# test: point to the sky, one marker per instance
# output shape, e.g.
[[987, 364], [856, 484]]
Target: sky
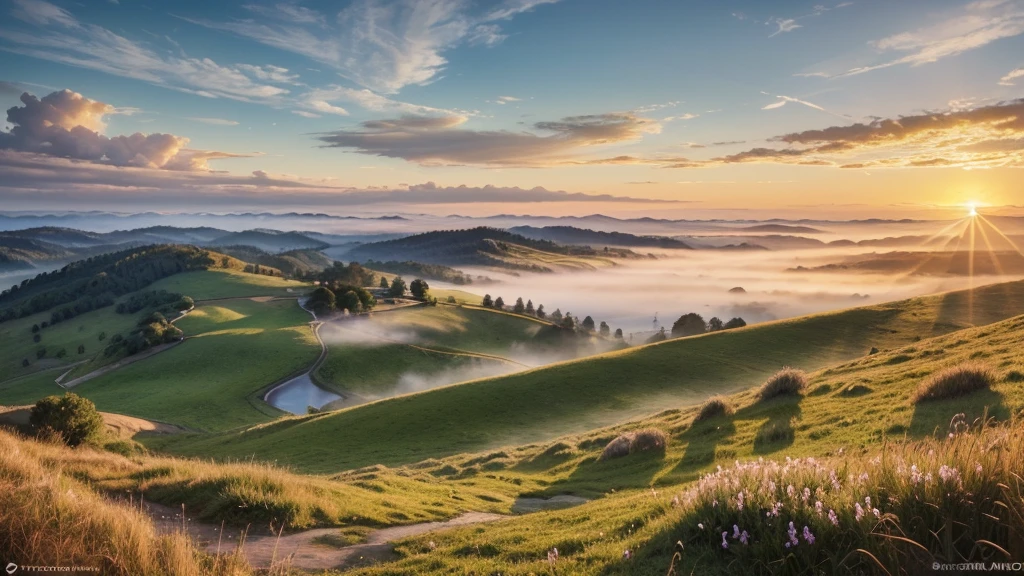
[[681, 109]]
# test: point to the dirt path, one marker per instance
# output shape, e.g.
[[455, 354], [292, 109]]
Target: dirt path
[[298, 550], [120, 363]]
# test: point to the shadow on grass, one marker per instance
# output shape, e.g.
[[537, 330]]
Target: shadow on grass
[[777, 432], [933, 417], [593, 477], [702, 440]]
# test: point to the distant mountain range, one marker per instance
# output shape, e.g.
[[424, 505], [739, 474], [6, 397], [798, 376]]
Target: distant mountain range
[[573, 235]]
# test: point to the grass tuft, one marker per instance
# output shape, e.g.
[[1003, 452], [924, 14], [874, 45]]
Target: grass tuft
[[784, 382], [959, 380], [713, 407], [648, 439]]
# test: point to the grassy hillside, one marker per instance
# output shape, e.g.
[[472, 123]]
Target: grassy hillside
[[292, 263], [487, 247], [213, 284], [574, 396], [233, 349]]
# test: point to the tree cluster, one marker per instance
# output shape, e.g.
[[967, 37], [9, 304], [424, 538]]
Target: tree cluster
[[152, 330], [352, 299], [692, 324]]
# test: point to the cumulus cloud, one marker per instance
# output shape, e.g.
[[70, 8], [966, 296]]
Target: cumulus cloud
[[383, 46], [440, 140], [68, 125]]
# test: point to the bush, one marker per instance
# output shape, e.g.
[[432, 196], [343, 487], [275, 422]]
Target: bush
[[633, 442], [955, 381], [785, 381], [73, 418], [712, 407]]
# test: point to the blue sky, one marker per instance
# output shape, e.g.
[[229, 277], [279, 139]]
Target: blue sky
[[295, 101]]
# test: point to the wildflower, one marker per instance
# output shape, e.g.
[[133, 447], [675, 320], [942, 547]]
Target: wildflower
[[863, 477], [833, 518], [789, 490], [867, 501], [859, 511], [627, 554], [675, 501], [977, 467], [818, 507], [744, 538], [948, 474], [725, 545], [915, 474], [735, 532], [552, 555], [739, 501], [792, 536], [806, 496], [876, 512], [808, 536], [700, 525]]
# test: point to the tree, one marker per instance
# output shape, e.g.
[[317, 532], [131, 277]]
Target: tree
[[568, 322], [35, 328], [499, 303], [588, 324], [529, 308], [102, 336], [452, 300], [322, 301], [735, 323], [618, 333], [540, 311], [397, 289], [61, 353], [659, 336], [81, 348], [350, 301], [186, 303], [24, 362], [557, 315], [605, 328], [383, 282], [715, 324], [71, 417], [689, 325], [519, 308], [419, 288], [487, 303]]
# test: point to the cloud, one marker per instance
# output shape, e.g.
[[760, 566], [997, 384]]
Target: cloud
[[383, 46], [686, 116], [784, 25], [323, 100], [36, 176], [214, 121], [978, 24], [440, 141], [68, 125], [58, 36], [1012, 75], [783, 99], [507, 99]]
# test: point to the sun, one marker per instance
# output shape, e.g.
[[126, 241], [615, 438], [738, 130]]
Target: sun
[[972, 209]]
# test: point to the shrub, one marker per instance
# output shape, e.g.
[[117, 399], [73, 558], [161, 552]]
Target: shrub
[[633, 442], [955, 381], [785, 381], [73, 418], [712, 407], [1015, 376]]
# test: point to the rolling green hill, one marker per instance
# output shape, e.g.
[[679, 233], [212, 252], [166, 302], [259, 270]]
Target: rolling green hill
[[487, 247], [571, 397]]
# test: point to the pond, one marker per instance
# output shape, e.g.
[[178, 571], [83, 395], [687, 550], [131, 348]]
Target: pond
[[298, 394]]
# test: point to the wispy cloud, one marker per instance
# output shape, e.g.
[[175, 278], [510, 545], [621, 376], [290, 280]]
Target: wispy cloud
[[784, 25], [1011, 76], [383, 46], [214, 121], [976, 25]]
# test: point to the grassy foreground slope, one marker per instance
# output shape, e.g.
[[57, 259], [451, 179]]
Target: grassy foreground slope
[[211, 381], [213, 284], [581, 395]]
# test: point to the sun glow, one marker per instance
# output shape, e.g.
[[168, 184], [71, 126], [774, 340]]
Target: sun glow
[[972, 209]]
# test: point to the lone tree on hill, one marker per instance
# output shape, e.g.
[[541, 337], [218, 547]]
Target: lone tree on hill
[[397, 289], [529, 308], [519, 308], [715, 324], [73, 418], [499, 303], [419, 288], [689, 325], [588, 324], [618, 333], [487, 303], [735, 323], [383, 282], [605, 328]]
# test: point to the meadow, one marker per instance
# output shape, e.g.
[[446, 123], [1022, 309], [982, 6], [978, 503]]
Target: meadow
[[571, 397], [215, 283]]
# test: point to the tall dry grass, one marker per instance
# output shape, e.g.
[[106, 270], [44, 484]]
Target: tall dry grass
[[48, 518], [955, 381]]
